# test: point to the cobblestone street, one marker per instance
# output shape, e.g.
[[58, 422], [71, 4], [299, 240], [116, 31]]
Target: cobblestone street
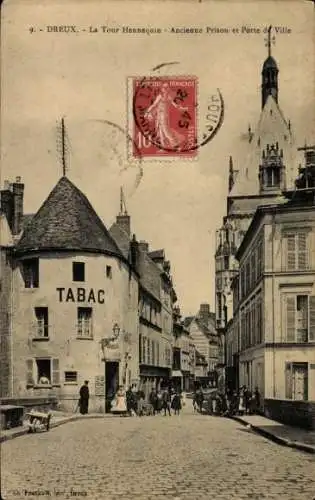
[[188, 457]]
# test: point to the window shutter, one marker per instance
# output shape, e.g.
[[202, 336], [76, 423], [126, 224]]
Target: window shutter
[[29, 372], [311, 335], [55, 372], [291, 245], [288, 381], [290, 330], [302, 251]]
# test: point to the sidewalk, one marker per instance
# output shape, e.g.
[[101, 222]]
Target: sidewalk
[[58, 418], [285, 435]]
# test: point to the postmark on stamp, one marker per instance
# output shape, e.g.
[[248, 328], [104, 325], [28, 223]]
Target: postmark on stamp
[[167, 118]]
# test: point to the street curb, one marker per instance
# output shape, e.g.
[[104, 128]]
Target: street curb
[[276, 439], [22, 432]]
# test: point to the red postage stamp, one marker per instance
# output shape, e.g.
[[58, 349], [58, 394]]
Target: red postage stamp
[[164, 116]]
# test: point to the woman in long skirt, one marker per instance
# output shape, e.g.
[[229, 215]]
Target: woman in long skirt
[[119, 405]]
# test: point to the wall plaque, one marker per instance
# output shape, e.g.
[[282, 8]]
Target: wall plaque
[[99, 385]]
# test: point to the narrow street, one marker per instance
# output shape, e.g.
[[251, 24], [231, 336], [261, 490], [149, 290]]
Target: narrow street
[[186, 457]]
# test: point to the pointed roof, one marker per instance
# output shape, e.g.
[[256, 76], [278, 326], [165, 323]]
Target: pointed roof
[[67, 221], [270, 62], [272, 128]]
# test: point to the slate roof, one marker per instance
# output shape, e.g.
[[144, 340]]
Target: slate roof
[[67, 221], [270, 62], [150, 275], [187, 321], [121, 238]]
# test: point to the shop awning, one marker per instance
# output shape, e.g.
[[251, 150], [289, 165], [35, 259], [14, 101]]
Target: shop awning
[[177, 373]]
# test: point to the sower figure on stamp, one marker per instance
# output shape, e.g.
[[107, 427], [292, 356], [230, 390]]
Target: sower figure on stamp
[[84, 398], [160, 111]]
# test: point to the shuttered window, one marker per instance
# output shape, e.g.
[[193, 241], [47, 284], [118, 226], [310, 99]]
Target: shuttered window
[[290, 326], [311, 331], [140, 348], [55, 372], [296, 249], [299, 318], [29, 372]]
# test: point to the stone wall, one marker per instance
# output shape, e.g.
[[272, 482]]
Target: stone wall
[[296, 413]]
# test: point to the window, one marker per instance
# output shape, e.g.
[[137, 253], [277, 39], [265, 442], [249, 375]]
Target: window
[[85, 322], [42, 327], [42, 372], [78, 271], [296, 251], [158, 354], [144, 352], [296, 381], [71, 377], [272, 177], [219, 306], [30, 271], [226, 263], [148, 351], [140, 348], [300, 318], [109, 272], [153, 352]]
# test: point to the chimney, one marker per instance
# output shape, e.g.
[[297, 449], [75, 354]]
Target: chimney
[[123, 221], [6, 205], [18, 195], [144, 246], [134, 247], [204, 313]]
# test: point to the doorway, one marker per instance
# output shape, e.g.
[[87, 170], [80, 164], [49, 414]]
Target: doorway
[[111, 382]]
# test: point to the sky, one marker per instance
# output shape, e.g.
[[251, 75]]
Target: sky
[[176, 205]]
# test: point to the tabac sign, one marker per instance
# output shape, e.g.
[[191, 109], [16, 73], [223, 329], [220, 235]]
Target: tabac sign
[[81, 295]]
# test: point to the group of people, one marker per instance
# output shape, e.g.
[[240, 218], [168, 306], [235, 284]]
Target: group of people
[[232, 402], [159, 401], [133, 401]]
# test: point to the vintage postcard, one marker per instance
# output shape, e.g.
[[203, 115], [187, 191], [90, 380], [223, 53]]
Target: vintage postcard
[[157, 249]]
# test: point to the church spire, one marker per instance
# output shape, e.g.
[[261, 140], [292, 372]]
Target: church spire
[[269, 73]]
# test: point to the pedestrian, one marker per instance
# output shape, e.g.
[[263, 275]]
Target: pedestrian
[[176, 403], [247, 399], [119, 405], [257, 400], [140, 402], [84, 398], [195, 403], [166, 402], [200, 399], [159, 402], [153, 400], [241, 404], [130, 401]]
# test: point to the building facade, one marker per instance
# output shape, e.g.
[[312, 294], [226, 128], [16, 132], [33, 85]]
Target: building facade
[[73, 303], [275, 308], [183, 370], [263, 170], [203, 334]]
